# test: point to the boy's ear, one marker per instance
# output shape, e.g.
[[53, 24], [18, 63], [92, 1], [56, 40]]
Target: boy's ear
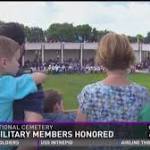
[[3, 61]]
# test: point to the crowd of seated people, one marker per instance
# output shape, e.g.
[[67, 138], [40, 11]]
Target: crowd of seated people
[[69, 66], [73, 66], [143, 65]]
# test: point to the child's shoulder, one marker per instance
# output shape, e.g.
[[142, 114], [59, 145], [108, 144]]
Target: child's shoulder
[[7, 86], [7, 82], [6, 78], [11, 79]]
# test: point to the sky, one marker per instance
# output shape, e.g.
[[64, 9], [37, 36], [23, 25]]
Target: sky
[[130, 18]]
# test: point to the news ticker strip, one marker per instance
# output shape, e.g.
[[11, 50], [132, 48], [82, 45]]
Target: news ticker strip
[[78, 143], [74, 131], [75, 135]]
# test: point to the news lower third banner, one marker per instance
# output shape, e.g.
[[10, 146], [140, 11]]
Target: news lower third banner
[[75, 134]]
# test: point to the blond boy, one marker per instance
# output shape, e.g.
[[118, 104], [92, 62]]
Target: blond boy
[[13, 87]]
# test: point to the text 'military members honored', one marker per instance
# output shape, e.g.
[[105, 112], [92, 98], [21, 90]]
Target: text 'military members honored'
[[75, 134]]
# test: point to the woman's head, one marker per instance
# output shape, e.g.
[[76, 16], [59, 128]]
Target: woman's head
[[115, 52]]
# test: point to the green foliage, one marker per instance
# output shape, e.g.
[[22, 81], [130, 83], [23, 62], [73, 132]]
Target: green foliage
[[34, 34], [68, 33], [147, 38], [139, 38], [132, 39], [101, 34], [83, 31], [61, 32]]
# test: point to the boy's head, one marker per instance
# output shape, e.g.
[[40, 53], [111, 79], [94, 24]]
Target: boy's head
[[9, 55], [115, 52], [16, 32], [53, 102]]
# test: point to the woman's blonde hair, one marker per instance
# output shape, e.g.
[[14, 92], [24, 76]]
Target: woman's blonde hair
[[115, 52]]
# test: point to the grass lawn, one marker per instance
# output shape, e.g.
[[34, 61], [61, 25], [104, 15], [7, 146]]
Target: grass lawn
[[70, 85]]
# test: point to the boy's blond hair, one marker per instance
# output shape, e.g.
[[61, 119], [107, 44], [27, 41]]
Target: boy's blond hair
[[115, 52], [8, 47]]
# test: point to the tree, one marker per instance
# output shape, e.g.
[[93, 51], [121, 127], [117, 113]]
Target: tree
[[94, 35], [34, 34], [101, 34], [132, 39], [83, 32], [147, 38], [68, 33], [140, 40], [61, 32]]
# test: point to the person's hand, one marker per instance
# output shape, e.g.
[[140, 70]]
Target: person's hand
[[39, 77]]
